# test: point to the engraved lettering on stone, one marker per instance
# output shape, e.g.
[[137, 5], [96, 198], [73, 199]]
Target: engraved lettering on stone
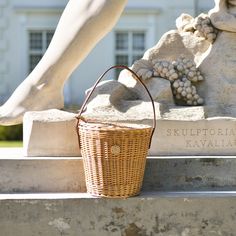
[[214, 138]]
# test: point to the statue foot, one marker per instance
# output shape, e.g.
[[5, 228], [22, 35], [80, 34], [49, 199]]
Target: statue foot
[[30, 97]]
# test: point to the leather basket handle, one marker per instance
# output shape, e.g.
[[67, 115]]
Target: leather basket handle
[[137, 78]]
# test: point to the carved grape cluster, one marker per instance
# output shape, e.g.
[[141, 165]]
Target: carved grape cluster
[[187, 67], [182, 74], [204, 28], [185, 91], [165, 69]]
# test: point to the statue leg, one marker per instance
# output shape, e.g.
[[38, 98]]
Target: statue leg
[[82, 25]]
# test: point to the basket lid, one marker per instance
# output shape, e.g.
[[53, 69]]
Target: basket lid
[[112, 125]]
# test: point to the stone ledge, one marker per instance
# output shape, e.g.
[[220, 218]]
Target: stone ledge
[[52, 132], [20, 174], [143, 195], [45, 174], [161, 214]]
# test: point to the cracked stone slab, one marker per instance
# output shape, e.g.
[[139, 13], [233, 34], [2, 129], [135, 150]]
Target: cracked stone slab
[[161, 214]]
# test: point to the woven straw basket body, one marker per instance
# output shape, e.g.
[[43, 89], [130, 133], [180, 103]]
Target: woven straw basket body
[[114, 154]]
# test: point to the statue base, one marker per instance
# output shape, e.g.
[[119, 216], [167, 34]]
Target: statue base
[[180, 130]]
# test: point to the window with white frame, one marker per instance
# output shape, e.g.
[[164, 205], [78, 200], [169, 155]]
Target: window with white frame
[[129, 47], [38, 43]]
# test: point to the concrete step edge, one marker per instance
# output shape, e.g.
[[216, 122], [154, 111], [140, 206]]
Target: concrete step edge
[[17, 154], [144, 195]]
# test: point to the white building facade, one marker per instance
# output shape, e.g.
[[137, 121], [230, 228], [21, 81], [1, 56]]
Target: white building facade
[[26, 28]]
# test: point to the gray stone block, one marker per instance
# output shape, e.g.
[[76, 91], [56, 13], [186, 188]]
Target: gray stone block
[[190, 174], [180, 131], [159, 214], [50, 133], [45, 174], [197, 137], [20, 174]]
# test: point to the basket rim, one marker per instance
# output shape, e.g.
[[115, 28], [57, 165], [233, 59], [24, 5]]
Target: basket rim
[[113, 125], [84, 105]]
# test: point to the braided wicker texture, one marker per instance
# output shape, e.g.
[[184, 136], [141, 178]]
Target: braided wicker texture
[[114, 157]]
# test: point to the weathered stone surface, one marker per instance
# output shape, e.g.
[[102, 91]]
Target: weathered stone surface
[[158, 214], [159, 88], [50, 133], [180, 131], [201, 137], [184, 22], [223, 15], [109, 93], [174, 43], [218, 67], [216, 61], [176, 50], [20, 174], [180, 173]]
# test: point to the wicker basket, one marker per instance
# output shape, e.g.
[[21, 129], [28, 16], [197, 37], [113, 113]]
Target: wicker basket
[[114, 154]]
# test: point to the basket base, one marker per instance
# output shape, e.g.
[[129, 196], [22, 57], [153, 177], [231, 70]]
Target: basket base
[[113, 192], [112, 196]]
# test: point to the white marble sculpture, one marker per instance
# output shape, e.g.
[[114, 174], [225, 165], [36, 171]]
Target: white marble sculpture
[[198, 58], [43, 88], [195, 42]]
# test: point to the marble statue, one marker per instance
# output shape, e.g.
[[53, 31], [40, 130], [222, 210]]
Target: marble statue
[[223, 15], [198, 60], [192, 65], [82, 25], [218, 65]]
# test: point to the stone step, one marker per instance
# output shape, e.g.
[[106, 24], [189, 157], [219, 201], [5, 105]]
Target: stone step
[[159, 214], [44, 174], [181, 131], [20, 174], [193, 173]]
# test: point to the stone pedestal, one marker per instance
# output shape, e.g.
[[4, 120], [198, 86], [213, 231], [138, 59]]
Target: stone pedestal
[[180, 196], [184, 192], [50, 133], [180, 131], [19, 174], [200, 137], [159, 214]]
